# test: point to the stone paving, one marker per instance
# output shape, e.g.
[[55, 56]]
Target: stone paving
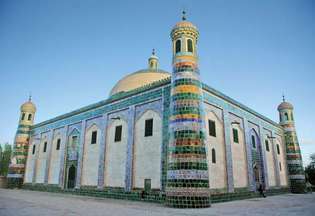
[[31, 203]]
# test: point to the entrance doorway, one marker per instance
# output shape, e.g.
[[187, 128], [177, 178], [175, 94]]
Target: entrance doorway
[[257, 175], [71, 177]]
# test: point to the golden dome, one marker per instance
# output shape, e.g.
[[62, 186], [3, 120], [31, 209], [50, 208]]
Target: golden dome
[[28, 106], [139, 79], [184, 24]]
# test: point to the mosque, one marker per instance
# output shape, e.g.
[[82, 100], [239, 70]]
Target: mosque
[[164, 133]]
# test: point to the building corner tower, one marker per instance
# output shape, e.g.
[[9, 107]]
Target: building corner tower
[[21, 144], [296, 173], [187, 172]]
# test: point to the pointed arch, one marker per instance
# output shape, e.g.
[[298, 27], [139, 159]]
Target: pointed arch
[[190, 45], [178, 46]]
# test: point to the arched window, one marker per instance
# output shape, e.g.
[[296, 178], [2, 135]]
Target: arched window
[[45, 147], [214, 160], [178, 46], [253, 141], [29, 117], [267, 145], [23, 116], [291, 116], [280, 116], [33, 151], [58, 144], [278, 149], [189, 45], [286, 117]]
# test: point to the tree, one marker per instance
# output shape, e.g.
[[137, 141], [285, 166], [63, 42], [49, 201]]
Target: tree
[[310, 170], [5, 159]]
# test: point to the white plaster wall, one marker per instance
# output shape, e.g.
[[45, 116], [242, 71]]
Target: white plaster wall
[[90, 157], [217, 171], [270, 163], [147, 151], [54, 165], [29, 170], [281, 158], [239, 159], [41, 162], [116, 155]]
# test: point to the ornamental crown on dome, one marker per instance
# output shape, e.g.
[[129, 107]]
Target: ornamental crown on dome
[[184, 27], [285, 105], [28, 106]]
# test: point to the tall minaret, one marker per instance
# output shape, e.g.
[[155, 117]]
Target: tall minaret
[[187, 176], [21, 143], [294, 157]]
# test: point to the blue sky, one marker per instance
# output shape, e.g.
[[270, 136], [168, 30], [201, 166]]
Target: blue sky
[[71, 53]]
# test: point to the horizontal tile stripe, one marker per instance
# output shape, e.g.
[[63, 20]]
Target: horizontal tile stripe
[[188, 165]]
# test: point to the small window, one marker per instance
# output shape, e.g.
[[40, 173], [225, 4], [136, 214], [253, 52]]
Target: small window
[[118, 131], [214, 160], [235, 135], [253, 141], [94, 137], [33, 151], [29, 117], [292, 116], [190, 45], [278, 149], [212, 131], [178, 46], [147, 184], [280, 116], [286, 117], [58, 144], [267, 145], [280, 166], [148, 131], [23, 116], [45, 147]]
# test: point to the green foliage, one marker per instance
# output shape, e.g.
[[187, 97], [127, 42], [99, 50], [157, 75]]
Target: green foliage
[[5, 157], [310, 170]]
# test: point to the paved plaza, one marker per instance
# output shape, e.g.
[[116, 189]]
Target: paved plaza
[[23, 202]]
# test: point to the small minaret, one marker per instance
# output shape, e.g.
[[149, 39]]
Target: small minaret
[[153, 62], [187, 175], [294, 158], [21, 143]]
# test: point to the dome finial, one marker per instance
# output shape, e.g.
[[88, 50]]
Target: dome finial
[[153, 51], [184, 15], [283, 98], [30, 97]]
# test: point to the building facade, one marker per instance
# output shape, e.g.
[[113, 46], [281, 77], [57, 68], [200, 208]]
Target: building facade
[[164, 132]]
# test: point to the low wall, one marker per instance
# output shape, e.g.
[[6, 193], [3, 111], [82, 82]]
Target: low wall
[[3, 182], [152, 196]]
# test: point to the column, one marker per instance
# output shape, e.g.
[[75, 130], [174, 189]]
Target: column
[[263, 157], [36, 157], [100, 181], [228, 151], [275, 159], [63, 153], [251, 180], [80, 155], [129, 162], [49, 150]]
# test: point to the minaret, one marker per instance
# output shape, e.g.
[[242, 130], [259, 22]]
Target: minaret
[[294, 158], [21, 143], [187, 176], [153, 62]]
